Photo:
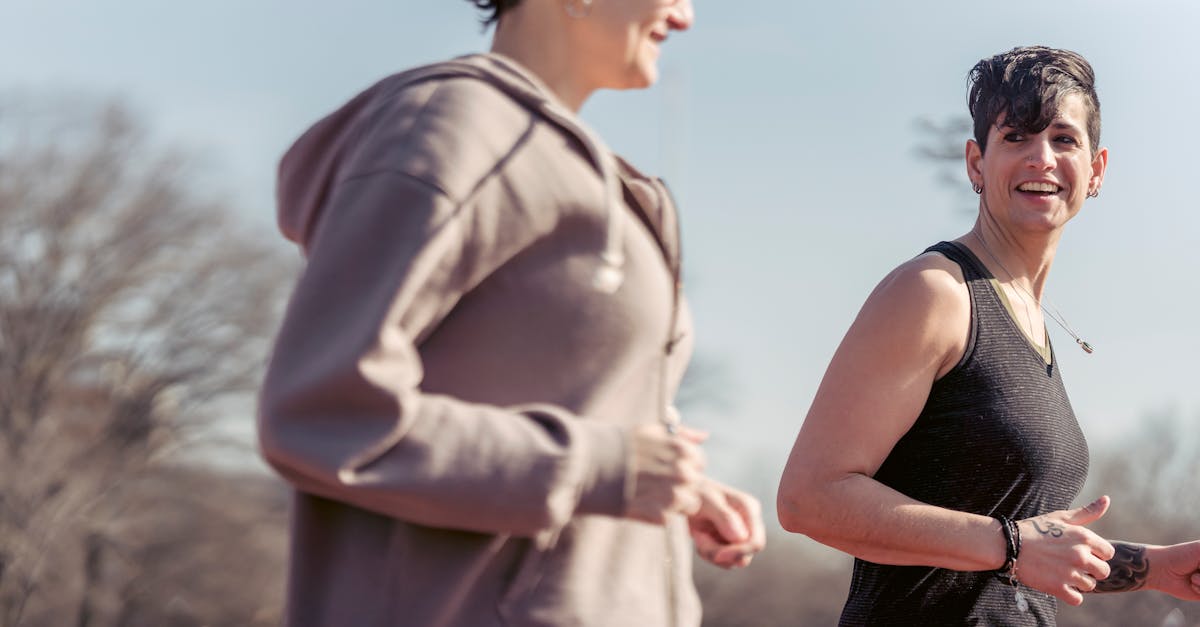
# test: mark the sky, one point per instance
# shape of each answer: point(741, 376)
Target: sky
point(787, 131)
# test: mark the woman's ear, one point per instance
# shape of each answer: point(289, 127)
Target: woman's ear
point(1099, 165)
point(974, 159)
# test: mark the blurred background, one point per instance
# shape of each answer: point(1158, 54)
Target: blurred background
point(812, 147)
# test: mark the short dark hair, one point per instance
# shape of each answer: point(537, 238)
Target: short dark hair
point(1027, 85)
point(496, 8)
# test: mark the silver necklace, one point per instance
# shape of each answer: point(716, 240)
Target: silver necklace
point(1052, 312)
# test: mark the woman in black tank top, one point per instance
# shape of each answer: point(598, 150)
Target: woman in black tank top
point(941, 449)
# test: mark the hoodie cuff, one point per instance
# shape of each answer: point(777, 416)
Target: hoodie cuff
point(604, 479)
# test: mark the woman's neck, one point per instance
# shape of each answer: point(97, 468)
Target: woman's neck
point(1026, 263)
point(541, 44)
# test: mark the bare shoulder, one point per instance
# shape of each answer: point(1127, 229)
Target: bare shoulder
point(924, 306)
point(911, 331)
point(925, 284)
point(930, 269)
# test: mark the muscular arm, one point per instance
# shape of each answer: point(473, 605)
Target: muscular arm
point(912, 329)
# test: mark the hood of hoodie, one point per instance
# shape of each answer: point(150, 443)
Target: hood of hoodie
point(311, 167)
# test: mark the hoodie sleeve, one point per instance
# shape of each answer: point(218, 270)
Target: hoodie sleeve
point(342, 413)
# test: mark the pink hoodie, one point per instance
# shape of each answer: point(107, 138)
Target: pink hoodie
point(490, 302)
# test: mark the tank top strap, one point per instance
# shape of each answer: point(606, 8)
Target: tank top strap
point(985, 303)
point(971, 266)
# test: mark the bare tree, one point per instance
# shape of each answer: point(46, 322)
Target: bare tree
point(943, 144)
point(130, 309)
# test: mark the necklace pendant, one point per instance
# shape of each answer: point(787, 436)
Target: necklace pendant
point(1087, 348)
point(1022, 602)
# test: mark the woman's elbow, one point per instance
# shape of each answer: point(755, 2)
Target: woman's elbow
point(789, 517)
point(793, 506)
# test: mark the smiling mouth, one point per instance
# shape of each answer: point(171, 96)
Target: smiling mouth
point(1039, 188)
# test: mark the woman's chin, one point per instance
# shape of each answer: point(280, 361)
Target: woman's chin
point(640, 75)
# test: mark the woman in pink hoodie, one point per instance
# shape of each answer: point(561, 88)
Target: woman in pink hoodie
point(471, 390)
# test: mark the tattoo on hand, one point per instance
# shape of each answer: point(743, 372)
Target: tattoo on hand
point(1052, 528)
point(1130, 568)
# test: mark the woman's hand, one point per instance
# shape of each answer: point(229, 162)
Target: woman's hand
point(728, 527)
point(1060, 555)
point(668, 472)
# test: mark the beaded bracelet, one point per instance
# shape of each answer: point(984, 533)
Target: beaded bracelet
point(1012, 550)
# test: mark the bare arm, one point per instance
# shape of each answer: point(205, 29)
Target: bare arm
point(912, 330)
point(1174, 569)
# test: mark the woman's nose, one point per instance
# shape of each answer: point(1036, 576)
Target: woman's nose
point(682, 15)
point(1041, 154)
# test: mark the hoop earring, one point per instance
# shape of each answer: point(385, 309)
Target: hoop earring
point(977, 187)
point(578, 9)
point(1094, 193)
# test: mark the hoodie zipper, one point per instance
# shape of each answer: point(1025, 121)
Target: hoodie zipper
point(669, 414)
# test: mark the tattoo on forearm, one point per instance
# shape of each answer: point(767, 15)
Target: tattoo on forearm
point(1051, 528)
point(1130, 568)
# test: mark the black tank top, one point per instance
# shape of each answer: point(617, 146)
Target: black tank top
point(996, 436)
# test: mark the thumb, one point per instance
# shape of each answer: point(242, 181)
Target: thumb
point(1089, 513)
